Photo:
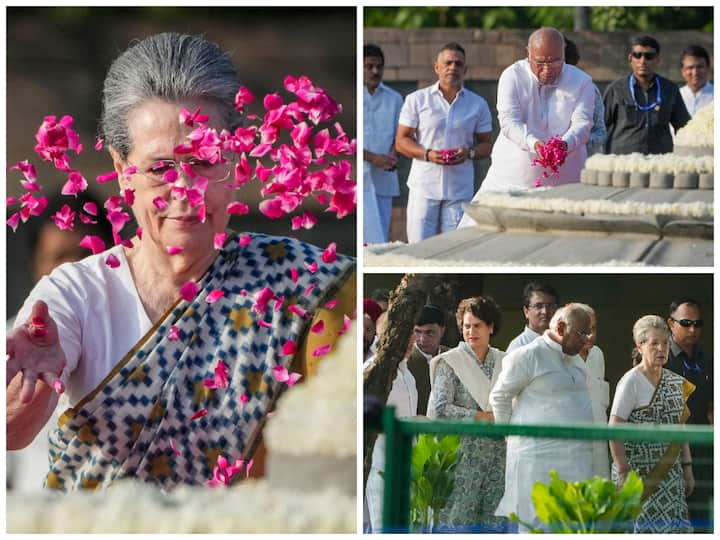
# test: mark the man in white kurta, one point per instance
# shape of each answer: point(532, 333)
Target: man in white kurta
point(444, 116)
point(548, 385)
point(381, 112)
point(403, 396)
point(539, 97)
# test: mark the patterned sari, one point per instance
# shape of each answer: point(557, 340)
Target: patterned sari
point(153, 418)
point(664, 505)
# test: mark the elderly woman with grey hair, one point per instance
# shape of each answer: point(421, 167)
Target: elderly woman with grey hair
point(167, 387)
point(651, 394)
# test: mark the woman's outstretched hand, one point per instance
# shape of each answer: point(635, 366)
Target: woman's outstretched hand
point(34, 348)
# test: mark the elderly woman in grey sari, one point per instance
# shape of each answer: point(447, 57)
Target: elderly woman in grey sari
point(461, 382)
point(651, 394)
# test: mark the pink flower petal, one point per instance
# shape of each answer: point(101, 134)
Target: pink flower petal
point(293, 378)
point(312, 268)
point(331, 304)
point(199, 414)
point(129, 196)
point(93, 243)
point(243, 97)
point(59, 387)
point(280, 373)
point(294, 275)
point(160, 203)
point(322, 350)
point(289, 348)
point(174, 448)
point(173, 333)
point(330, 253)
point(13, 221)
point(347, 321)
point(318, 327)
point(243, 399)
point(219, 240)
point(107, 177)
point(297, 310)
point(238, 207)
point(202, 213)
point(128, 172)
point(189, 291)
point(245, 240)
point(99, 144)
point(90, 208)
point(174, 250)
point(112, 261)
point(214, 296)
point(138, 232)
point(264, 324)
point(309, 289)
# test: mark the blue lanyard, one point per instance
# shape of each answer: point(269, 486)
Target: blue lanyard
point(688, 367)
point(655, 104)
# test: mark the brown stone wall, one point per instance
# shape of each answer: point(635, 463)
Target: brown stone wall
point(409, 54)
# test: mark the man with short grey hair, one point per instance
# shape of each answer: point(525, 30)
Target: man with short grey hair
point(544, 382)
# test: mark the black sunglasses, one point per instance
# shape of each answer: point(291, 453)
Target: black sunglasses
point(687, 323)
point(647, 55)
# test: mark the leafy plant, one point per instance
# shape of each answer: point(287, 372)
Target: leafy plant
point(592, 506)
point(432, 478)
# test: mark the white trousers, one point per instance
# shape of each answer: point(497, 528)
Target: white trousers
point(384, 205)
point(428, 217)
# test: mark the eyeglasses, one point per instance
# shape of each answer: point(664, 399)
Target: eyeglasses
point(687, 323)
point(640, 54)
point(551, 64)
point(540, 305)
point(166, 171)
point(583, 335)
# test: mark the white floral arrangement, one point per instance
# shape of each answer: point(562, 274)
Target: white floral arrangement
point(390, 259)
point(662, 163)
point(134, 507)
point(700, 130)
point(325, 402)
point(696, 210)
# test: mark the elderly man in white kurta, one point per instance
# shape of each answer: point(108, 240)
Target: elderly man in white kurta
point(548, 385)
point(444, 116)
point(539, 97)
point(381, 112)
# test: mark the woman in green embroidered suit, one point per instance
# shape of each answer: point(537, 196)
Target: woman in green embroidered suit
point(461, 381)
point(161, 384)
point(648, 393)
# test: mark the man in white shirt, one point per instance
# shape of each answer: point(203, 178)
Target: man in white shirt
point(442, 128)
point(695, 68)
point(539, 304)
point(544, 383)
point(381, 112)
point(540, 97)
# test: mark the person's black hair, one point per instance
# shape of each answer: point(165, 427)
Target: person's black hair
point(373, 50)
point(572, 54)
point(535, 287)
point(482, 307)
point(646, 41)
point(675, 304)
point(380, 295)
point(453, 46)
point(697, 51)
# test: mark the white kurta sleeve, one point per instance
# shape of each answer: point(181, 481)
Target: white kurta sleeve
point(581, 120)
point(510, 112)
point(513, 378)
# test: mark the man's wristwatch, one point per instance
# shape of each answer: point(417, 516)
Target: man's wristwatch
point(471, 152)
point(427, 154)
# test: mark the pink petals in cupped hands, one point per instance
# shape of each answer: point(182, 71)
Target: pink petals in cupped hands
point(223, 473)
point(551, 157)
